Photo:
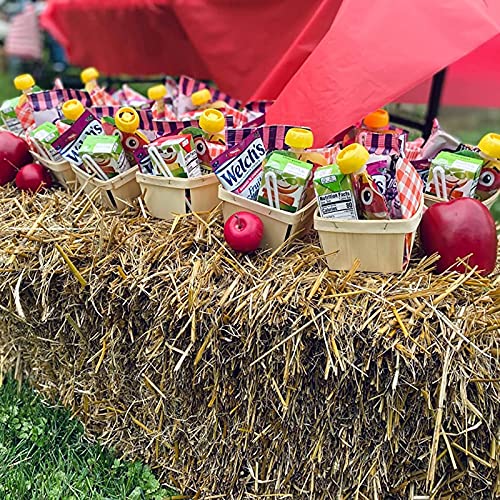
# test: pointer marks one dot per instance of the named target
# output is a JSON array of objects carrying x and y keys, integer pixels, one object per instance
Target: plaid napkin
[
  {"x": 273, "y": 136},
  {"x": 410, "y": 188},
  {"x": 50, "y": 99},
  {"x": 24, "y": 113},
  {"x": 132, "y": 97},
  {"x": 413, "y": 149},
  {"x": 215, "y": 149},
  {"x": 167, "y": 115},
  {"x": 102, "y": 98},
  {"x": 58, "y": 84},
  {"x": 258, "y": 106}
]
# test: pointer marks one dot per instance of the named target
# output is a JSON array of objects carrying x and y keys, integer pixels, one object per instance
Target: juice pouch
[
  {"x": 8, "y": 115},
  {"x": 284, "y": 182},
  {"x": 69, "y": 143},
  {"x": 43, "y": 136},
  {"x": 104, "y": 156},
  {"x": 352, "y": 160},
  {"x": 372, "y": 203},
  {"x": 174, "y": 156},
  {"x": 335, "y": 193},
  {"x": 201, "y": 147},
  {"x": 239, "y": 169},
  {"x": 127, "y": 129},
  {"x": 452, "y": 176},
  {"x": 489, "y": 180}
]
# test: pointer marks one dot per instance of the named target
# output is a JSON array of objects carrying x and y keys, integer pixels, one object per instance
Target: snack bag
[
  {"x": 104, "y": 156},
  {"x": 453, "y": 176},
  {"x": 285, "y": 180},
  {"x": 239, "y": 169},
  {"x": 43, "y": 137},
  {"x": 334, "y": 193},
  {"x": 382, "y": 171},
  {"x": 69, "y": 143},
  {"x": 437, "y": 142},
  {"x": 174, "y": 156}
]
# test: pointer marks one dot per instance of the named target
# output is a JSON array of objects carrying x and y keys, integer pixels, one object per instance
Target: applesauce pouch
[
  {"x": 334, "y": 193},
  {"x": 201, "y": 147},
  {"x": 284, "y": 182},
  {"x": 239, "y": 168}
]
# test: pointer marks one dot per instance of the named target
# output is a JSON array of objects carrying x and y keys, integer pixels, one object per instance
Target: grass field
[{"x": 44, "y": 455}]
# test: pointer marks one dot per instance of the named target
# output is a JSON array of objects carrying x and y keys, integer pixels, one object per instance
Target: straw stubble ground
[{"x": 263, "y": 376}]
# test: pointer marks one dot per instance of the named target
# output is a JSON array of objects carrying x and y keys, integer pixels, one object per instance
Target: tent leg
[{"x": 434, "y": 102}]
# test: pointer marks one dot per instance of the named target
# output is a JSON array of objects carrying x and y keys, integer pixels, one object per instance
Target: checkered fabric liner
[
  {"x": 259, "y": 106},
  {"x": 240, "y": 117},
  {"x": 215, "y": 149},
  {"x": 145, "y": 115},
  {"x": 132, "y": 97},
  {"x": 188, "y": 86},
  {"x": 167, "y": 115},
  {"x": 102, "y": 98},
  {"x": 273, "y": 136},
  {"x": 24, "y": 113},
  {"x": 410, "y": 188},
  {"x": 413, "y": 149},
  {"x": 50, "y": 99},
  {"x": 381, "y": 144},
  {"x": 167, "y": 127},
  {"x": 172, "y": 87}
]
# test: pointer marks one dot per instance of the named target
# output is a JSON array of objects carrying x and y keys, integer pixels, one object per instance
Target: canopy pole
[{"x": 434, "y": 102}]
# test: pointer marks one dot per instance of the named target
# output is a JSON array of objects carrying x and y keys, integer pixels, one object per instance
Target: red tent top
[{"x": 328, "y": 62}]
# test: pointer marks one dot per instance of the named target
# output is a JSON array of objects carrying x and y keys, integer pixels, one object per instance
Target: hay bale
[{"x": 252, "y": 377}]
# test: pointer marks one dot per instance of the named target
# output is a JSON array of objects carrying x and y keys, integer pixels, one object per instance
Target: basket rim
[
  {"x": 393, "y": 226},
  {"x": 176, "y": 182},
  {"x": 265, "y": 210},
  {"x": 113, "y": 183}
]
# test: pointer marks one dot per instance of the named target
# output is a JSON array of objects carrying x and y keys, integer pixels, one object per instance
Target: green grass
[{"x": 44, "y": 455}]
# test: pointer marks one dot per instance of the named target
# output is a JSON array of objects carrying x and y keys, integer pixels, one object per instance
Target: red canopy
[{"x": 327, "y": 62}]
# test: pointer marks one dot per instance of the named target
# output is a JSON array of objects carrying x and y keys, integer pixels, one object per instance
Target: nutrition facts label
[{"x": 340, "y": 205}]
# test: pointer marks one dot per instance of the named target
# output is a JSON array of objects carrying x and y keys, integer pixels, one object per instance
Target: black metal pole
[{"x": 434, "y": 101}]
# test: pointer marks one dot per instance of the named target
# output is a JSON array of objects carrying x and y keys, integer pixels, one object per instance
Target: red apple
[
  {"x": 33, "y": 177},
  {"x": 14, "y": 154},
  {"x": 243, "y": 232},
  {"x": 456, "y": 229}
]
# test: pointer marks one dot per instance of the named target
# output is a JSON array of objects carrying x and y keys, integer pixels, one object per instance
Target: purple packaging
[
  {"x": 68, "y": 144},
  {"x": 239, "y": 168},
  {"x": 383, "y": 172}
]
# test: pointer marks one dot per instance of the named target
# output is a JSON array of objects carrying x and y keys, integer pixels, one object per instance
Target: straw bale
[{"x": 263, "y": 376}]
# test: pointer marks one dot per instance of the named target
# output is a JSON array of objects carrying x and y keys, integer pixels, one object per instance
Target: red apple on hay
[
  {"x": 243, "y": 232},
  {"x": 14, "y": 154},
  {"x": 33, "y": 177},
  {"x": 456, "y": 229}
]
